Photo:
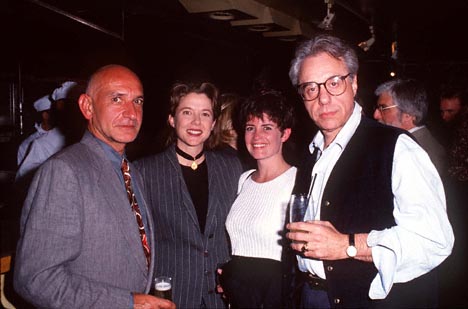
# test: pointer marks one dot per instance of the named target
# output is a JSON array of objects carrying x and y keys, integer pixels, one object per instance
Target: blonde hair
[{"x": 224, "y": 132}]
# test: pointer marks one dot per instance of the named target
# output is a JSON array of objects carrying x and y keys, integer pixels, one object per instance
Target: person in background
[
  {"x": 403, "y": 103},
  {"x": 455, "y": 271},
  {"x": 451, "y": 103},
  {"x": 42, "y": 107},
  {"x": 191, "y": 190},
  {"x": 86, "y": 232},
  {"x": 49, "y": 138},
  {"x": 253, "y": 278},
  {"x": 224, "y": 133},
  {"x": 381, "y": 226}
]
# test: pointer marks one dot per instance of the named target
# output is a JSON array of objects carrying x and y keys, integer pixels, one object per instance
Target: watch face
[{"x": 351, "y": 251}]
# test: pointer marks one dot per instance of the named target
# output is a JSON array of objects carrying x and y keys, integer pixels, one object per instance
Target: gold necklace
[{"x": 185, "y": 155}]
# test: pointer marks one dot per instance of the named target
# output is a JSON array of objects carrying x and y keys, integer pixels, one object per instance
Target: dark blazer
[
  {"x": 433, "y": 148},
  {"x": 79, "y": 245},
  {"x": 184, "y": 252}
]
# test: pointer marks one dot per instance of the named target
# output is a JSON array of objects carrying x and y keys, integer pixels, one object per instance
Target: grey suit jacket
[
  {"x": 79, "y": 245},
  {"x": 186, "y": 254},
  {"x": 435, "y": 150}
]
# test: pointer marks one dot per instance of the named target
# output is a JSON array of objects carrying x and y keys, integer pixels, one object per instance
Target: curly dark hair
[{"x": 270, "y": 102}]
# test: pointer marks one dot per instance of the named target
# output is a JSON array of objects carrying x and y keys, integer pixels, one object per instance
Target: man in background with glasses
[
  {"x": 403, "y": 103},
  {"x": 381, "y": 225}
]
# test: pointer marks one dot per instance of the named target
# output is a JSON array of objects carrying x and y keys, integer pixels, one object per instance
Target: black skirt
[{"x": 252, "y": 282}]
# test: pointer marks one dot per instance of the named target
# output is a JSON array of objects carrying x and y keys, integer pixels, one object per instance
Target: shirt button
[
  {"x": 329, "y": 268},
  {"x": 337, "y": 301}
]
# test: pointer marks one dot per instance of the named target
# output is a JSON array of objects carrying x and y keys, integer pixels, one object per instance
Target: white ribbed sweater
[{"x": 258, "y": 214}]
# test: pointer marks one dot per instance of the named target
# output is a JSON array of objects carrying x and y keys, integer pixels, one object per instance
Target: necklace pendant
[{"x": 194, "y": 165}]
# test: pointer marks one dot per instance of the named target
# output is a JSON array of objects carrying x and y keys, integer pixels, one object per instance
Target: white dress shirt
[{"x": 422, "y": 237}]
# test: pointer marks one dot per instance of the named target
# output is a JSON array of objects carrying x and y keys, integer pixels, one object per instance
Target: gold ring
[{"x": 304, "y": 248}]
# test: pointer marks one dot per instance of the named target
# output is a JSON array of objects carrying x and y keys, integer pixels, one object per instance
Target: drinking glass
[
  {"x": 297, "y": 207},
  {"x": 163, "y": 287}
]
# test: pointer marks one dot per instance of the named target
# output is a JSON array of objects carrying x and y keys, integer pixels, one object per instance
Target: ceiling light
[{"x": 220, "y": 15}]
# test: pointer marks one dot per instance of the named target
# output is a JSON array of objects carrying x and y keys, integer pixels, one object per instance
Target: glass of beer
[{"x": 163, "y": 287}]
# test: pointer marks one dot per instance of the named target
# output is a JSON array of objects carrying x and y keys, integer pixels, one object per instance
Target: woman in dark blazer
[{"x": 190, "y": 191}]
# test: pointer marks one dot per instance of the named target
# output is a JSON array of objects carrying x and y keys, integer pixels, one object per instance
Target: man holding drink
[
  {"x": 86, "y": 232},
  {"x": 380, "y": 226}
]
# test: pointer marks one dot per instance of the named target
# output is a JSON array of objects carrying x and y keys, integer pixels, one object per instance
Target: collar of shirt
[
  {"x": 115, "y": 157},
  {"x": 39, "y": 128},
  {"x": 345, "y": 134},
  {"x": 415, "y": 129}
]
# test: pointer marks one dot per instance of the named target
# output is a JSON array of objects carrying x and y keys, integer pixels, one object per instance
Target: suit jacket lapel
[
  {"x": 213, "y": 187},
  {"x": 149, "y": 228},
  {"x": 114, "y": 192}
]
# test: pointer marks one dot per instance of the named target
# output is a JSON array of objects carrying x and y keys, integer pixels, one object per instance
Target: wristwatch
[{"x": 351, "y": 251}]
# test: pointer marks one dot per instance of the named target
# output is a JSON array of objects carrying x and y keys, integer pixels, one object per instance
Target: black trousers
[{"x": 252, "y": 282}]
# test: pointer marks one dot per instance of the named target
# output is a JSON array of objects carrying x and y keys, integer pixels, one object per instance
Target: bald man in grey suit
[{"x": 80, "y": 243}]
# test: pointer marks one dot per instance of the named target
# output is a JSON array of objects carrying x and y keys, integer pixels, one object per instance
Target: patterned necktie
[{"x": 136, "y": 209}]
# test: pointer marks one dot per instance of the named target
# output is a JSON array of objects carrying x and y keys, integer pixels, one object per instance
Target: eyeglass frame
[
  {"x": 342, "y": 77},
  {"x": 384, "y": 108}
]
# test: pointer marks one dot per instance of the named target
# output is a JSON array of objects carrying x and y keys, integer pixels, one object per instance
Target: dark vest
[{"x": 358, "y": 198}]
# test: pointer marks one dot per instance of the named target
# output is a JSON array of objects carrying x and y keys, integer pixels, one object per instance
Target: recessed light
[
  {"x": 221, "y": 15},
  {"x": 259, "y": 28}
]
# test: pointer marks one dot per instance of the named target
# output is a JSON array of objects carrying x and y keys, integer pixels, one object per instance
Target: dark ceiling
[
  {"x": 47, "y": 37},
  {"x": 48, "y": 41}
]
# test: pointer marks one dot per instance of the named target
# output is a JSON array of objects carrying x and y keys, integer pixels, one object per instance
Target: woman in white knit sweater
[{"x": 253, "y": 277}]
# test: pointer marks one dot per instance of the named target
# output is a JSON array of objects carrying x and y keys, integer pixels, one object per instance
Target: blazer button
[
  {"x": 205, "y": 253},
  {"x": 337, "y": 301},
  {"x": 329, "y": 268},
  {"x": 211, "y": 236},
  {"x": 210, "y": 291},
  {"x": 206, "y": 273},
  {"x": 327, "y": 203}
]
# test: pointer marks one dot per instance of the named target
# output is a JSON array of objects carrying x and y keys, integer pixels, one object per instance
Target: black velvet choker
[{"x": 185, "y": 155}]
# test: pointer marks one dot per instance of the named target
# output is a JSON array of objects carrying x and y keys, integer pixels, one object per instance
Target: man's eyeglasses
[
  {"x": 335, "y": 86},
  {"x": 382, "y": 108}
]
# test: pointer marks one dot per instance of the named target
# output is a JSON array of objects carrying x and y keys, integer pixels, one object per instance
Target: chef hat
[
  {"x": 63, "y": 91},
  {"x": 42, "y": 104}
]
